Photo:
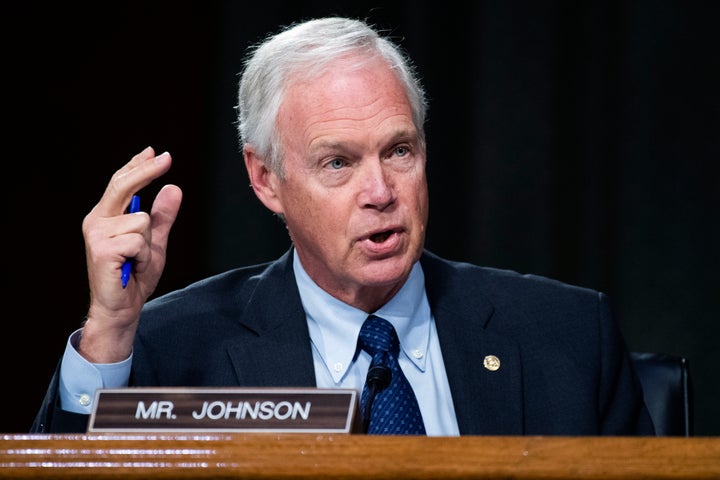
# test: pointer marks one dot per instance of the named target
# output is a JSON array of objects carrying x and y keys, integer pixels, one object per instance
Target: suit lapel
[
  {"x": 488, "y": 401},
  {"x": 278, "y": 351}
]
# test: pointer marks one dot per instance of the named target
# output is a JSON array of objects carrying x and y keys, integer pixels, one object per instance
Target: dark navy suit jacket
[{"x": 564, "y": 367}]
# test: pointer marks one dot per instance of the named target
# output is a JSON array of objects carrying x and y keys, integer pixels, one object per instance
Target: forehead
[{"x": 346, "y": 97}]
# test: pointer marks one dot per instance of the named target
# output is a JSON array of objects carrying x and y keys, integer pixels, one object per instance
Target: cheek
[
  {"x": 318, "y": 217},
  {"x": 417, "y": 200},
  {"x": 298, "y": 200}
]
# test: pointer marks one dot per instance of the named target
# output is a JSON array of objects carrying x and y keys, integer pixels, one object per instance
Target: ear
[{"x": 263, "y": 181}]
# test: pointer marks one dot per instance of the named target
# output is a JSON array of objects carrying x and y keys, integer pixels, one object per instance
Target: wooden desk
[{"x": 300, "y": 456}]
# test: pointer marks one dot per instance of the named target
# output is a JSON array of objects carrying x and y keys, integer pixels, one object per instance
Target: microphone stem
[
  {"x": 378, "y": 377},
  {"x": 372, "y": 391}
]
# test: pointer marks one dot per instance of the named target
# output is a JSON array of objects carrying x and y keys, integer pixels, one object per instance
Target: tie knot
[{"x": 378, "y": 335}]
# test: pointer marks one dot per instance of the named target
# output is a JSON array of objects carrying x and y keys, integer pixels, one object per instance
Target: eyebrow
[{"x": 402, "y": 134}]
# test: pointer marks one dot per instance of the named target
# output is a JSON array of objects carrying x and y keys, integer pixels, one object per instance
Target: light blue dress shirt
[{"x": 333, "y": 325}]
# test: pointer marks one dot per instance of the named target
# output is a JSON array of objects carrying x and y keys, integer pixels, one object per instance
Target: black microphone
[{"x": 378, "y": 378}]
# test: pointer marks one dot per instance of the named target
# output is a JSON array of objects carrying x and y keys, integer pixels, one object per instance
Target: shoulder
[
  {"x": 497, "y": 283},
  {"x": 517, "y": 303},
  {"x": 543, "y": 315},
  {"x": 222, "y": 295}
]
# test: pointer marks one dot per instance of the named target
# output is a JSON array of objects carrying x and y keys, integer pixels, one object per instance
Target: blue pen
[{"x": 127, "y": 266}]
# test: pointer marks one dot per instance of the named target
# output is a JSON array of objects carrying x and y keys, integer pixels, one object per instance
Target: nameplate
[{"x": 266, "y": 410}]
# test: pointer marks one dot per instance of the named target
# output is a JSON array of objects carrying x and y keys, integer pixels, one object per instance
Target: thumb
[{"x": 164, "y": 211}]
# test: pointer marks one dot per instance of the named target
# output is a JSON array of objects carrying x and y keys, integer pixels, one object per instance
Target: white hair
[{"x": 301, "y": 52}]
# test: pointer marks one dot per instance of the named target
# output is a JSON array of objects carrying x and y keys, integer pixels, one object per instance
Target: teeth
[{"x": 380, "y": 237}]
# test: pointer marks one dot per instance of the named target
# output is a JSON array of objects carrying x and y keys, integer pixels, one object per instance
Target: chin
[{"x": 388, "y": 271}]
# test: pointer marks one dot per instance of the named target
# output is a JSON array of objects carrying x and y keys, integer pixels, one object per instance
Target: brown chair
[{"x": 667, "y": 389}]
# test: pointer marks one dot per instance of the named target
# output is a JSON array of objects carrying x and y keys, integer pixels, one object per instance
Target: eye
[
  {"x": 401, "y": 151},
  {"x": 336, "y": 163}
]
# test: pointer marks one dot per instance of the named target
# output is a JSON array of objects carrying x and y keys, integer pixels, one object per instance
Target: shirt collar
[{"x": 334, "y": 325}]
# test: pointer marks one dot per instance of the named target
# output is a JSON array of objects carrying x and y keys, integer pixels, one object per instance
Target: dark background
[{"x": 576, "y": 140}]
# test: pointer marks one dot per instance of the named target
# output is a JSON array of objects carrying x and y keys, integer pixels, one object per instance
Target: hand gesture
[{"x": 112, "y": 237}]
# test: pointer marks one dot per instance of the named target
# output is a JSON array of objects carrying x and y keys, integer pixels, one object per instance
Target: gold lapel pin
[{"x": 491, "y": 362}]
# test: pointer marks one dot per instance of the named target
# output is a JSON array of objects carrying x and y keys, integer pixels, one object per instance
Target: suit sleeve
[
  {"x": 621, "y": 404},
  {"x": 51, "y": 418}
]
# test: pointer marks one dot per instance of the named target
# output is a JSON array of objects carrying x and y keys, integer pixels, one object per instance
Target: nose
[{"x": 377, "y": 189}]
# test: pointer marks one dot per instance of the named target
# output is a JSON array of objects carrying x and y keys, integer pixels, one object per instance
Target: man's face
[{"x": 355, "y": 194}]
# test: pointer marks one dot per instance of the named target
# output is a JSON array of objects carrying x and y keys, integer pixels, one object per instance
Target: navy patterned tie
[{"x": 393, "y": 410}]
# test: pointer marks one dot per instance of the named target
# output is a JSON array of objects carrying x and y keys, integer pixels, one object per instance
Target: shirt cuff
[{"x": 79, "y": 378}]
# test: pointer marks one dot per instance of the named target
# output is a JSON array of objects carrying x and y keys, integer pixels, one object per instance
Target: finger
[
  {"x": 147, "y": 246},
  {"x": 139, "y": 172},
  {"x": 164, "y": 211}
]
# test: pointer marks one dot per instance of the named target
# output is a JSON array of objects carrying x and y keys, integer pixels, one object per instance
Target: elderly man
[{"x": 331, "y": 118}]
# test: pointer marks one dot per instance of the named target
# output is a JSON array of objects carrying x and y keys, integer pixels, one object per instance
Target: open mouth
[{"x": 381, "y": 236}]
